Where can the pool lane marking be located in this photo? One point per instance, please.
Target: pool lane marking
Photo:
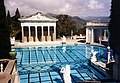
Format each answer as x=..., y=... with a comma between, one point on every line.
x=64, y=56
x=81, y=54
x=60, y=56
x=50, y=55
x=84, y=51
x=28, y=77
x=40, y=56
x=76, y=55
x=79, y=74
x=67, y=55
x=39, y=77
x=36, y=55
x=56, y=55
x=29, y=56
x=43, y=55
x=21, y=58
x=50, y=77
x=70, y=55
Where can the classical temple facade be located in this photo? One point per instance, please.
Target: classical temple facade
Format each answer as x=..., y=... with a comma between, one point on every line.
x=96, y=32
x=38, y=27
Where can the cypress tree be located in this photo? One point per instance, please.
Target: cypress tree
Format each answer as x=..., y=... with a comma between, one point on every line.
x=8, y=14
x=17, y=13
x=114, y=26
x=9, y=21
x=5, y=46
x=15, y=25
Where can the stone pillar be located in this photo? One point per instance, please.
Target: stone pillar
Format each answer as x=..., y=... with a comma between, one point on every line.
x=29, y=33
x=92, y=39
x=36, y=34
x=22, y=33
x=43, y=37
x=48, y=31
x=104, y=37
x=42, y=30
x=100, y=37
x=48, y=37
x=54, y=34
x=87, y=35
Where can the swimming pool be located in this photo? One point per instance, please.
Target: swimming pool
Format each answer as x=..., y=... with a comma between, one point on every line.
x=43, y=64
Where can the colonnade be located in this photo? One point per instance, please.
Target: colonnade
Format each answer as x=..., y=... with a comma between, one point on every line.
x=93, y=35
x=38, y=33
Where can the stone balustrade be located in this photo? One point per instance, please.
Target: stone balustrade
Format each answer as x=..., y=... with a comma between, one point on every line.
x=9, y=72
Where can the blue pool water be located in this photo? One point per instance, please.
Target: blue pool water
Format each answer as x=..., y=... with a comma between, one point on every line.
x=43, y=64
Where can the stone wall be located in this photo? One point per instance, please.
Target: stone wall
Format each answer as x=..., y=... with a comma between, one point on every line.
x=116, y=68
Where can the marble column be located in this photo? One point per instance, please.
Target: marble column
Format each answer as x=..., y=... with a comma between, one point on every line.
x=104, y=37
x=43, y=37
x=36, y=34
x=29, y=33
x=92, y=41
x=22, y=33
x=54, y=33
x=48, y=30
x=100, y=37
x=48, y=37
x=87, y=35
x=42, y=30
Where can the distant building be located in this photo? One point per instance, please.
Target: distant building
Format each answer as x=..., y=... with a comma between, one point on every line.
x=96, y=31
x=38, y=27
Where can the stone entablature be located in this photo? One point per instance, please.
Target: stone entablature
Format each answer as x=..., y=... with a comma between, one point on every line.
x=96, y=24
x=38, y=17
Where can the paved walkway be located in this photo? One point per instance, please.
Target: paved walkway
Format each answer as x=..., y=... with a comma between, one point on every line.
x=53, y=43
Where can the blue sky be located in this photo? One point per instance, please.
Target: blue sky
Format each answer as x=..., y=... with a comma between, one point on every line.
x=81, y=8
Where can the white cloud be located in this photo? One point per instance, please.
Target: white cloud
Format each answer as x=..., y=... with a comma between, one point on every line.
x=70, y=7
x=94, y=4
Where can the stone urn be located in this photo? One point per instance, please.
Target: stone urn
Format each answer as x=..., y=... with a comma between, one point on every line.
x=13, y=54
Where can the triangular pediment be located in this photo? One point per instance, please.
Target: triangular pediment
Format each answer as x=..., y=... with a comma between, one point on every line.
x=38, y=17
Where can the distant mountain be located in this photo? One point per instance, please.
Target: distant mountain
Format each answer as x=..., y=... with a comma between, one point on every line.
x=51, y=14
x=100, y=18
x=79, y=21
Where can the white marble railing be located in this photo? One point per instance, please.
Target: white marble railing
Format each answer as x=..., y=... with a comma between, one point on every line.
x=8, y=71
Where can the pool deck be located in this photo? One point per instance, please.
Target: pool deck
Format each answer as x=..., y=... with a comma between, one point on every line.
x=53, y=43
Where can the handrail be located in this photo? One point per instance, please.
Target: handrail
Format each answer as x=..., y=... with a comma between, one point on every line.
x=9, y=66
x=10, y=73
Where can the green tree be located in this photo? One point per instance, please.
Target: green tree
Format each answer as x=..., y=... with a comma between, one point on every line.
x=15, y=25
x=9, y=20
x=8, y=15
x=114, y=26
x=17, y=13
x=64, y=25
x=5, y=46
